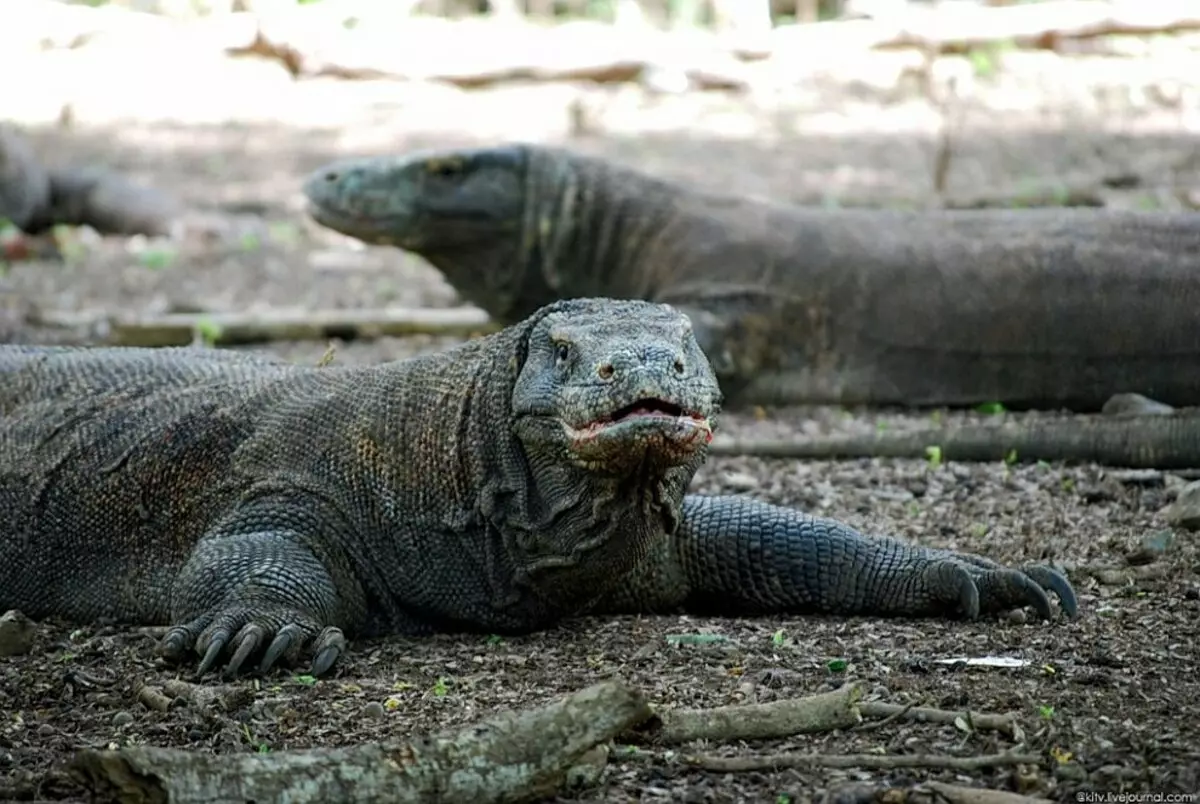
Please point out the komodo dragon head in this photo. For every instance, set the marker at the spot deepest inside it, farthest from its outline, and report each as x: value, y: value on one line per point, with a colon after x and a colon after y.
x: 498, y: 222
x: 612, y: 387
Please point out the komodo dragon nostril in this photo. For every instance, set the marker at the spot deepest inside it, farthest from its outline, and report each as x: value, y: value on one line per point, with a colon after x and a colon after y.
x: 679, y: 365
x: 332, y: 176
x: 605, y: 370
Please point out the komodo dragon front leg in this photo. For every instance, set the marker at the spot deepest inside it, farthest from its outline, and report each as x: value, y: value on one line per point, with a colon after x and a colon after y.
x: 259, y: 584
x: 737, y: 556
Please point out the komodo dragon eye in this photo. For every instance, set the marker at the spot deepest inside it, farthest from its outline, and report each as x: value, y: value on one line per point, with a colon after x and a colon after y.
x: 562, y: 352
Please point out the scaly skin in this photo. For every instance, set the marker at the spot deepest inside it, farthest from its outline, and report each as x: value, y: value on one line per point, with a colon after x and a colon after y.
x: 1032, y: 308
x: 266, y: 510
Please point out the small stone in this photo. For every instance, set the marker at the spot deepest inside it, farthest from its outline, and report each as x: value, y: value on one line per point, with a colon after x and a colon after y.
x: 374, y: 709
x: 16, y: 633
x: 45, y: 730
x: 1153, y: 546
x: 740, y: 481
x: 1185, y: 511
x: 122, y: 718
x: 1134, y: 405
x: 1070, y: 772
x: 1017, y: 617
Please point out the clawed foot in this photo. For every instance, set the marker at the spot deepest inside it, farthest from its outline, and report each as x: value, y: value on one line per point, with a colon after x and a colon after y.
x: 276, y: 636
x: 981, y: 586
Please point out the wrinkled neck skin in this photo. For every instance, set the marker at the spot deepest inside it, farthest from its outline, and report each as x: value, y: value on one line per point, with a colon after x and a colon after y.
x: 577, y: 534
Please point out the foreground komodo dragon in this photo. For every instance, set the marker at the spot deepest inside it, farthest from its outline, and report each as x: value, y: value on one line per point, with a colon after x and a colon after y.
x: 267, y: 510
x: 1031, y: 308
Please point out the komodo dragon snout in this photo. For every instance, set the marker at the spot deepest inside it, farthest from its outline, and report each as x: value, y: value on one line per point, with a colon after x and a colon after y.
x: 425, y: 201
x: 610, y: 400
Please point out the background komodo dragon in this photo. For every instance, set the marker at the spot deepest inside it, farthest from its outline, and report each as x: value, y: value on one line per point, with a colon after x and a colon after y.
x: 36, y: 198
x: 1031, y: 308
x: 265, y: 509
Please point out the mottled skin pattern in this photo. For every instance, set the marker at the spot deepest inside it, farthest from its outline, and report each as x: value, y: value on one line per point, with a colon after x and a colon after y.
x: 1032, y: 308
x: 267, y: 510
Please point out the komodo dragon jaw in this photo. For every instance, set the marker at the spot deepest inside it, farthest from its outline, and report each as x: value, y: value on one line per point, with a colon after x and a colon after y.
x: 613, y: 406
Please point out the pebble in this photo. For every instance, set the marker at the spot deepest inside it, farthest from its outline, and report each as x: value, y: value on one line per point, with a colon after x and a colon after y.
x: 373, y: 709
x: 1017, y: 617
x: 739, y: 481
x: 16, y: 633
x: 1185, y: 511
x: 122, y: 718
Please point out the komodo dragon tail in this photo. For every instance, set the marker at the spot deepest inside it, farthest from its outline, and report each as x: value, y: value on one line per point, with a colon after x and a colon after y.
x: 1154, y: 436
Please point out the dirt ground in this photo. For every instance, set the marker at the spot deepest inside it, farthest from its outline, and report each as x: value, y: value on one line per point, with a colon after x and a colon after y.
x: 1109, y: 701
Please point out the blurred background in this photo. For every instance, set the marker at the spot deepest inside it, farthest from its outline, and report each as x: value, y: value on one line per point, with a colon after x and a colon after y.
x: 220, y: 108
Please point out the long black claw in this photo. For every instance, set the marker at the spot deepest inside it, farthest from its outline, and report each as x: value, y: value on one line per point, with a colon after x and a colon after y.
x: 215, y: 646
x: 1033, y: 593
x: 247, y: 642
x: 279, y: 646
x: 1057, y: 583
x: 968, y: 594
x: 325, y: 660
x: 175, y: 642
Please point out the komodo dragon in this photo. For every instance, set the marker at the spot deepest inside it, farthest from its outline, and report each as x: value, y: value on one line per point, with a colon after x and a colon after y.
x: 36, y: 198
x: 266, y: 510
x: 1030, y: 308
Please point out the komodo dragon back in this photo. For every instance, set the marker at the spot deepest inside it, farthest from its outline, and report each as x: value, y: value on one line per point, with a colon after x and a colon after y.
x: 799, y: 305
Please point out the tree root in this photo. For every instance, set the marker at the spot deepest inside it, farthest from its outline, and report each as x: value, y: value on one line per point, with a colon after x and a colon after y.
x: 1005, y: 724
x: 518, y: 756
x: 824, y: 712
x: 515, y: 756
x: 771, y: 762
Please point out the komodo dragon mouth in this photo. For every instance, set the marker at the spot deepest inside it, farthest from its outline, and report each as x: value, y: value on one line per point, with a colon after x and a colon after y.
x: 679, y: 429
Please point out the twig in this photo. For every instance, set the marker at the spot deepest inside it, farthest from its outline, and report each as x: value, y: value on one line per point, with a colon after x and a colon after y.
x: 151, y: 697
x: 203, y: 696
x: 825, y: 712
x: 922, y: 714
x: 958, y: 794
x: 876, y: 724
x: 522, y: 756
x: 872, y: 761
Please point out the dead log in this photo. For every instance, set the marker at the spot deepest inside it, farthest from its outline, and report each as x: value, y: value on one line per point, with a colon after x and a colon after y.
x: 516, y: 756
x: 827, y: 711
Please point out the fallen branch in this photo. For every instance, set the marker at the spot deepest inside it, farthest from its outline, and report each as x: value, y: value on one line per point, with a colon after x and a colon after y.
x: 225, y: 329
x: 1005, y: 724
x: 519, y: 756
x: 1044, y: 26
x: 869, y: 761
x: 825, y: 712
x: 474, y: 54
x: 958, y: 794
